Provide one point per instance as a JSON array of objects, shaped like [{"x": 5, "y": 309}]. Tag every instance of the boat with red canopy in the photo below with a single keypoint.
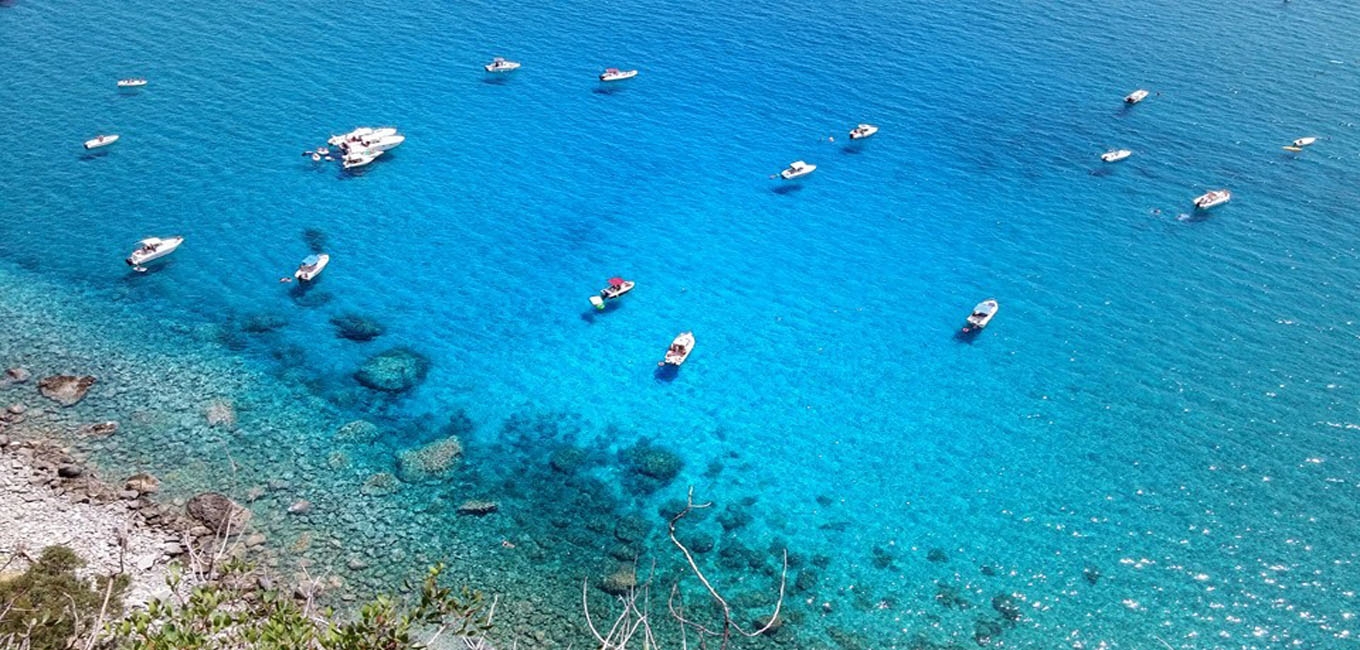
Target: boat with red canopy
[{"x": 617, "y": 287}]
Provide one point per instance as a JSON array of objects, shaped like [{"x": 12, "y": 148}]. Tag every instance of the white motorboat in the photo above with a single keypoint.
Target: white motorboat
[
  {"x": 982, "y": 314},
  {"x": 101, "y": 141},
  {"x": 1212, "y": 198},
  {"x": 1136, "y": 96},
  {"x": 863, "y": 131},
  {"x": 312, "y": 266},
  {"x": 679, "y": 350},
  {"x": 380, "y": 143},
  {"x": 152, "y": 248},
  {"x": 361, "y": 133},
  {"x": 797, "y": 169},
  {"x": 1115, "y": 155},
  {"x": 132, "y": 82},
  {"x": 1305, "y": 141},
  {"x": 499, "y": 64},
  {"x": 359, "y": 158},
  {"x": 615, "y": 74},
  {"x": 617, "y": 287}
]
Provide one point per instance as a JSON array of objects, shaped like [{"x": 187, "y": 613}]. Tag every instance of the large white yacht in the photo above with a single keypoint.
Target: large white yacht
[{"x": 359, "y": 157}]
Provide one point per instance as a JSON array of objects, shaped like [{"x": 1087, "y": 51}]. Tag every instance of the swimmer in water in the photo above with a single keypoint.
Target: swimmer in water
[{"x": 283, "y": 280}]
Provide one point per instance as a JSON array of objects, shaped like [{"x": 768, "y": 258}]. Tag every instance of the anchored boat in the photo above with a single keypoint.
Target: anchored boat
[
  {"x": 617, "y": 287},
  {"x": 1212, "y": 199},
  {"x": 863, "y": 131},
  {"x": 982, "y": 314},
  {"x": 100, "y": 141},
  {"x": 312, "y": 266},
  {"x": 797, "y": 169},
  {"x": 679, "y": 350},
  {"x": 133, "y": 82},
  {"x": 615, "y": 74},
  {"x": 499, "y": 64},
  {"x": 152, "y": 248},
  {"x": 1115, "y": 155},
  {"x": 1136, "y": 96}
]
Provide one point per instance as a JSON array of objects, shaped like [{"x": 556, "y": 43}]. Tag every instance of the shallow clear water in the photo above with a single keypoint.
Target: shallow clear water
[{"x": 1164, "y": 399}]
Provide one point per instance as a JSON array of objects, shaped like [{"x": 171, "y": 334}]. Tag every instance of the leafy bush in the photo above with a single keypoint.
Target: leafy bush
[{"x": 48, "y": 606}]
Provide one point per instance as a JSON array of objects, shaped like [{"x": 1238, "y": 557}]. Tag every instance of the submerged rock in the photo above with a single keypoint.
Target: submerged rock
[
  {"x": 17, "y": 375},
  {"x": 380, "y": 484},
  {"x": 65, "y": 389},
  {"x": 142, "y": 483},
  {"x": 394, "y": 371},
  {"x": 358, "y": 431},
  {"x": 98, "y": 429},
  {"x": 357, "y": 328},
  {"x": 1005, "y": 605},
  {"x": 218, "y": 512},
  {"x": 651, "y": 468},
  {"x": 620, "y": 581},
  {"x": 262, "y": 323},
  {"x": 221, "y": 413},
  {"x": 478, "y": 507},
  {"x": 431, "y": 462}
]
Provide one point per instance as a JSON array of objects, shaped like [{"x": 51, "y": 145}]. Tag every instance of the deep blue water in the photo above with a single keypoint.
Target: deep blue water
[{"x": 1167, "y": 399}]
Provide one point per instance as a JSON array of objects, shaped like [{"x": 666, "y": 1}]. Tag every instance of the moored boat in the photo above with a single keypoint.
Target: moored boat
[
  {"x": 152, "y": 248},
  {"x": 1212, "y": 198},
  {"x": 1305, "y": 141},
  {"x": 679, "y": 350},
  {"x": 797, "y": 169},
  {"x": 617, "y": 287},
  {"x": 982, "y": 314},
  {"x": 615, "y": 74},
  {"x": 1115, "y": 155},
  {"x": 359, "y": 158},
  {"x": 360, "y": 134},
  {"x": 312, "y": 266},
  {"x": 101, "y": 141},
  {"x": 499, "y": 64},
  {"x": 863, "y": 131},
  {"x": 132, "y": 82},
  {"x": 1136, "y": 96}
]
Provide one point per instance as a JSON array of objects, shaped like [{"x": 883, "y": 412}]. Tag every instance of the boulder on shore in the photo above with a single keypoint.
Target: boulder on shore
[
  {"x": 65, "y": 389},
  {"x": 218, "y": 512},
  {"x": 143, "y": 483},
  {"x": 431, "y": 462},
  {"x": 394, "y": 371}
]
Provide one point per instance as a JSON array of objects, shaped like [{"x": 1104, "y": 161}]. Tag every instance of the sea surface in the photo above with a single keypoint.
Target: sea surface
[{"x": 1156, "y": 443}]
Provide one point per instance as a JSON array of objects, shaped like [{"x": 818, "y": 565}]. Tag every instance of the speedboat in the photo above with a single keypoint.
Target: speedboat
[
  {"x": 382, "y": 143},
  {"x": 1212, "y": 198},
  {"x": 679, "y": 350},
  {"x": 797, "y": 169},
  {"x": 133, "y": 82},
  {"x": 615, "y": 74},
  {"x": 312, "y": 266},
  {"x": 499, "y": 64},
  {"x": 1136, "y": 96},
  {"x": 863, "y": 131},
  {"x": 982, "y": 314},
  {"x": 1303, "y": 142},
  {"x": 101, "y": 141},
  {"x": 359, "y": 134},
  {"x": 617, "y": 287},
  {"x": 152, "y": 248},
  {"x": 1115, "y": 155},
  {"x": 359, "y": 158}
]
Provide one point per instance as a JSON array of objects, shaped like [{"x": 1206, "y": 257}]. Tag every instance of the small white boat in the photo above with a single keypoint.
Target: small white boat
[
  {"x": 615, "y": 74},
  {"x": 133, "y": 82},
  {"x": 679, "y": 350},
  {"x": 863, "y": 131},
  {"x": 359, "y": 158},
  {"x": 101, "y": 141},
  {"x": 499, "y": 64},
  {"x": 982, "y": 314},
  {"x": 312, "y": 266},
  {"x": 1212, "y": 198},
  {"x": 1115, "y": 155},
  {"x": 1304, "y": 142},
  {"x": 617, "y": 287},
  {"x": 1136, "y": 96},
  {"x": 361, "y": 133},
  {"x": 152, "y": 248},
  {"x": 797, "y": 169}
]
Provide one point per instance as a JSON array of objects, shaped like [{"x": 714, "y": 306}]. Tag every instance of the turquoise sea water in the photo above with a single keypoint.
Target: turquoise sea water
[{"x": 1155, "y": 439}]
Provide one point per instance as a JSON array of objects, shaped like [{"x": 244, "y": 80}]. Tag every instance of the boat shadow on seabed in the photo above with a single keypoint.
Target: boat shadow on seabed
[{"x": 666, "y": 373}]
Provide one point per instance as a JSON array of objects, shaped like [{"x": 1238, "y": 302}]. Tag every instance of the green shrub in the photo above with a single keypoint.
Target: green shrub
[{"x": 48, "y": 607}]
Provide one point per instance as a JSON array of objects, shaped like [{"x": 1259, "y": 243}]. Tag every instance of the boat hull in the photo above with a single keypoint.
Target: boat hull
[
  {"x": 619, "y": 76},
  {"x": 308, "y": 273},
  {"x": 100, "y": 141},
  {"x": 168, "y": 246},
  {"x": 679, "y": 351}
]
